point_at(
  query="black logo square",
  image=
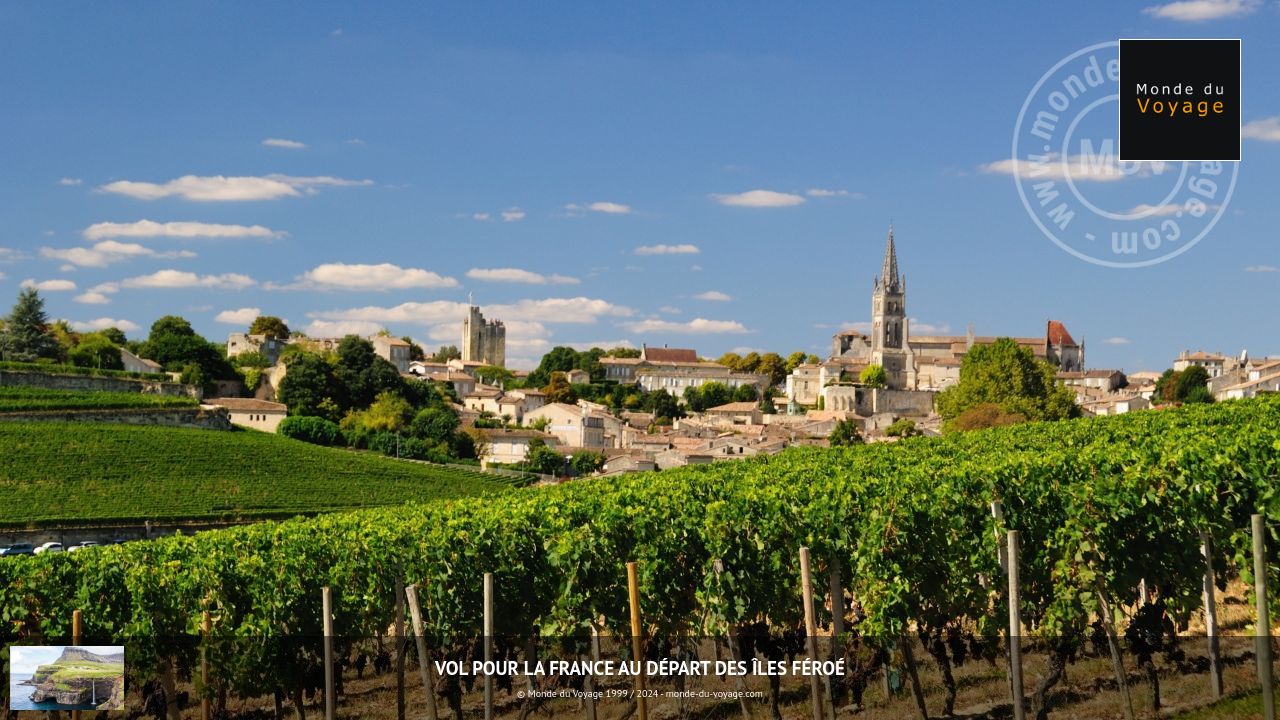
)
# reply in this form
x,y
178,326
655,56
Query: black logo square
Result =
x,y
1179,100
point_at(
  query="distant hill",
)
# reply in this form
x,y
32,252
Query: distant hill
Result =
x,y
65,473
75,654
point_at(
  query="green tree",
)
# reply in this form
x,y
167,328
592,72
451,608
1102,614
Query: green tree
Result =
x,y
558,390
745,393
1010,377
774,366
269,325
434,423
27,335
663,405
388,413
1192,386
364,374
845,433
795,360
902,427
416,353
560,359
175,345
445,354
586,462
542,459
311,388
493,375
873,376
251,359
95,350
985,415
115,335
709,395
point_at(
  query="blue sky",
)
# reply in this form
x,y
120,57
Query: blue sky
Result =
x,y
583,171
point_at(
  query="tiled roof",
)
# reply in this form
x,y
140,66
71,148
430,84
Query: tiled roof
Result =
x,y
1058,334
663,354
247,404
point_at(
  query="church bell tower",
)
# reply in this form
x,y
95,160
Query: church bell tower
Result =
x,y
889,348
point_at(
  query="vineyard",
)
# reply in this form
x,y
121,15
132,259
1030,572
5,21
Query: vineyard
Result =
x,y
63,473
76,370
26,399
1102,506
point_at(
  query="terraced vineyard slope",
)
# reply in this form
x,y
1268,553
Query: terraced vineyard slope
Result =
x,y
67,473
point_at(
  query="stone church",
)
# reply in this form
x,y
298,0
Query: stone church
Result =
x,y
913,362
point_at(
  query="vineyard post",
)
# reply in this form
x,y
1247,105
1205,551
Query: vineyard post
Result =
x,y
424,655
326,605
1002,556
739,682
1117,664
1015,628
909,659
811,632
590,680
1211,615
206,627
836,593
1264,619
488,645
637,641
400,647
77,626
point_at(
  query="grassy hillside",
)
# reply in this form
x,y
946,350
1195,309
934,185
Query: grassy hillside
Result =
x,y
53,473
23,399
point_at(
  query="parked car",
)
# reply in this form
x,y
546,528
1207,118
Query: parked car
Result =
x,y
50,547
18,549
82,545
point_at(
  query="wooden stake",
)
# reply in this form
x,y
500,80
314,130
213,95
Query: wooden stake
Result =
x,y
1116,663
206,628
400,646
330,700
811,632
637,639
591,677
1211,616
424,655
77,637
488,644
739,682
1264,618
1015,628
909,658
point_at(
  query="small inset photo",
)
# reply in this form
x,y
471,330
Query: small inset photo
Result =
x,y
66,677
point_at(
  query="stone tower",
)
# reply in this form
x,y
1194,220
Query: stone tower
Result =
x,y
483,340
889,347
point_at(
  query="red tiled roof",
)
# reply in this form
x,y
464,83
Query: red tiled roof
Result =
x,y
1058,334
246,404
669,354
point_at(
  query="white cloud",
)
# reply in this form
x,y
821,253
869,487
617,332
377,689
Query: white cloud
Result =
x,y
179,279
1162,210
512,214
516,275
384,276
70,181
354,141
1267,129
667,250
1116,341
2,276
575,310
697,326
283,143
92,297
610,207
668,309
49,285
219,188
481,216
603,344
341,328
1080,168
243,316
150,228
713,296
107,252
758,199
825,193
103,323
1197,10
915,327
1262,269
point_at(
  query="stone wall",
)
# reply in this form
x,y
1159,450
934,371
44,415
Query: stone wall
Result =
x,y
203,417
902,402
89,383
105,532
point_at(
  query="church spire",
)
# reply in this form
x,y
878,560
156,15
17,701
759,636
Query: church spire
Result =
x,y
889,278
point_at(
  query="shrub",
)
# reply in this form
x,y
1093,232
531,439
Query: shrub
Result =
x,y
314,430
902,428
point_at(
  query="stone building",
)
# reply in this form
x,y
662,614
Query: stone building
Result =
x,y
483,340
911,362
